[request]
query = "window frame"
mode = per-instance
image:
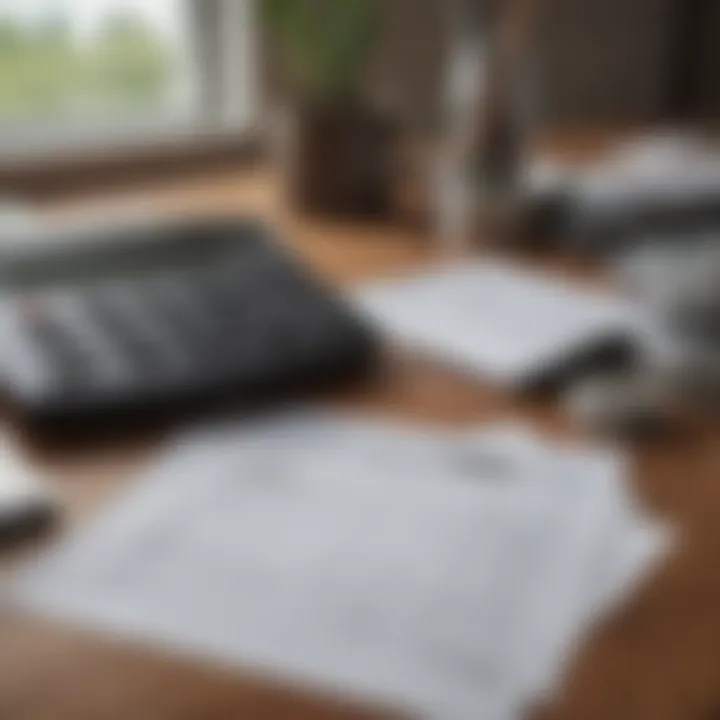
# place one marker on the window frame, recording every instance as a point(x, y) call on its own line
point(222, 36)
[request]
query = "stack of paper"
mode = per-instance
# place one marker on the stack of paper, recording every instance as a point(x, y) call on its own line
point(510, 326)
point(444, 576)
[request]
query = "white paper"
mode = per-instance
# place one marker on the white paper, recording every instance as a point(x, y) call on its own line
point(495, 320)
point(443, 576)
point(22, 489)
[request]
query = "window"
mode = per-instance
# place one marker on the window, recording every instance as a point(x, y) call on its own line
point(74, 70)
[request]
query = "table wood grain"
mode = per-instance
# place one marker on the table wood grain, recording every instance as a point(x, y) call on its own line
point(658, 658)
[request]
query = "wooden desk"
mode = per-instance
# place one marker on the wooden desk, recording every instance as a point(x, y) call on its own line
point(659, 659)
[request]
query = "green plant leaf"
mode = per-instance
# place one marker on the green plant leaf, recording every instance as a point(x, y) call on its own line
point(326, 43)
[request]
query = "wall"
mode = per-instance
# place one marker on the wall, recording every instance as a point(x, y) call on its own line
point(707, 83)
point(594, 61)
point(605, 60)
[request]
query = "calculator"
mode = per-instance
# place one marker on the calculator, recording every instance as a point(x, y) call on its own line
point(113, 325)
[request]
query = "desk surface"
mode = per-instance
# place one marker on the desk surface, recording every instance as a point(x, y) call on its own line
point(659, 659)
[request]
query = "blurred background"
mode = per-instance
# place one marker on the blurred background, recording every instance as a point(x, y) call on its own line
point(80, 80)
point(77, 72)
point(109, 65)
point(565, 150)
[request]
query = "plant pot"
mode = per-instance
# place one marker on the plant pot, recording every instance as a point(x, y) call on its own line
point(343, 161)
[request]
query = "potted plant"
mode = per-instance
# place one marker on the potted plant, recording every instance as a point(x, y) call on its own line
point(342, 149)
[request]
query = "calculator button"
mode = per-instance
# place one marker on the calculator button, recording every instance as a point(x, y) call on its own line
point(143, 339)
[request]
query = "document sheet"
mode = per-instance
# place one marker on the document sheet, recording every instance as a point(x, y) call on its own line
point(445, 576)
point(492, 319)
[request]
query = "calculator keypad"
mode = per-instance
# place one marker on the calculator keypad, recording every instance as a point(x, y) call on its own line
point(250, 319)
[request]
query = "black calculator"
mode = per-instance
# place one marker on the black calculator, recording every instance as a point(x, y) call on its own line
point(116, 325)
